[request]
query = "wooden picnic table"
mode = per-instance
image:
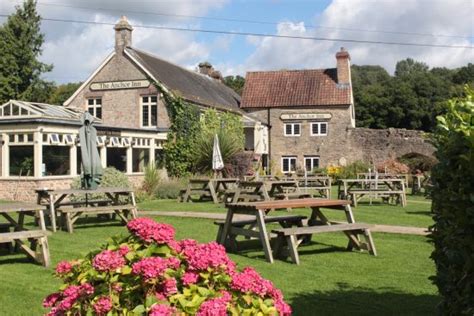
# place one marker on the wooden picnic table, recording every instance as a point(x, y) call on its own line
point(247, 191)
point(120, 201)
point(207, 188)
point(317, 223)
point(21, 233)
point(388, 189)
point(420, 181)
point(319, 184)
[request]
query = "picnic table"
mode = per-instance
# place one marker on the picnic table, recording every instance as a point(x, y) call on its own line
point(419, 181)
point(72, 203)
point(248, 191)
point(321, 185)
point(38, 248)
point(288, 236)
point(389, 189)
point(207, 188)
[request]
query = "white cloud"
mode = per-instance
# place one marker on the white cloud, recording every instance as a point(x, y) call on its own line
point(452, 17)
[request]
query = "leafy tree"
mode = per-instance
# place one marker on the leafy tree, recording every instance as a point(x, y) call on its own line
point(20, 47)
point(236, 83)
point(63, 92)
point(464, 75)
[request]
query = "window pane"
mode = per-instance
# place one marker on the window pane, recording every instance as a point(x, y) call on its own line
point(24, 111)
point(296, 129)
point(141, 158)
point(314, 128)
point(91, 111)
point(285, 166)
point(90, 101)
point(6, 110)
point(292, 164)
point(98, 101)
point(30, 137)
point(117, 158)
point(98, 112)
point(145, 99)
point(153, 99)
point(21, 161)
point(307, 162)
point(288, 129)
point(159, 158)
point(145, 115)
point(324, 128)
point(154, 117)
point(56, 160)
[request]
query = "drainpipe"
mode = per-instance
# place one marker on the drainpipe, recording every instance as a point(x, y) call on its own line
point(269, 141)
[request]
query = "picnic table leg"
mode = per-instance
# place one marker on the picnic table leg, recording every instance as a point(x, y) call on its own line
point(264, 236)
point(227, 227)
point(45, 258)
point(187, 193)
point(42, 224)
point(52, 212)
point(213, 192)
point(349, 214)
point(134, 203)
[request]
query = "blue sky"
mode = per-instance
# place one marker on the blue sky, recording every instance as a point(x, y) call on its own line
point(77, 49)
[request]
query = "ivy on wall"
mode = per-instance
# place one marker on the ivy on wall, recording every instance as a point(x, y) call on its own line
point(188, 126)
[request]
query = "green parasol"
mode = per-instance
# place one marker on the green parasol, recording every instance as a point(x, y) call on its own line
point(91, 164)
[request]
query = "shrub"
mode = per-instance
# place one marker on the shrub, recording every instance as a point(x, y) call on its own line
point(151, 179)
point(148, 272)
point(392, 166)
point(351, 170)
point(240, 165)
point(417, 162)
point(452, 194)
point(170, 189)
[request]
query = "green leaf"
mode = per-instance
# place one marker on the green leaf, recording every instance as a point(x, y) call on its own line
point(139, 309)
point(126, 270)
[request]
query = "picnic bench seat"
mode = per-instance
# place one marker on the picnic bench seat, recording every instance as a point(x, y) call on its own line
point(35, 237)
point(292, 195)
point(292, 237)
point(237, 225)
point(71, 214)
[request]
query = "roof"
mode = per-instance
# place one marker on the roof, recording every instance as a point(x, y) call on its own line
point(190, 85)
point(288, 88)
point(15, 109)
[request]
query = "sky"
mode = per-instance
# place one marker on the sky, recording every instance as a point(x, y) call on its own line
point(77, 49)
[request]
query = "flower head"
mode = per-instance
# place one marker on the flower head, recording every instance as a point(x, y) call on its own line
point(103, 305)
point(152, 267)
point(249, 281)
point(148, 230)
point(63, 267)
point(108, 260)
point(162, 310)
point(215, 306)
point(204, 256)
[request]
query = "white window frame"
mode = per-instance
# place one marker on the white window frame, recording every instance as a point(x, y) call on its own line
point(312, 158)
point(148, 104)
point(319, 128)
point(290, 158)
point(94, 107)
point(292, 129)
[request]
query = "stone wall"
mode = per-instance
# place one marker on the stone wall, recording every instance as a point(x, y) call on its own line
point(380, 144)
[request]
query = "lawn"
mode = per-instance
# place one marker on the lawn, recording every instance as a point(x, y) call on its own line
point(329, 281)
point(417, 213)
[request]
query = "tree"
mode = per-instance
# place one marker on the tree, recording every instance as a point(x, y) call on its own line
point(63, 92)
point(236, 83)
point(20, 47)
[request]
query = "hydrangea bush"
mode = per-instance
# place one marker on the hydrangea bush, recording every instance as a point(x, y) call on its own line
point(148, 272)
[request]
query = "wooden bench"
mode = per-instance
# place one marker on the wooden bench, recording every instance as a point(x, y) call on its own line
point(238, 225)
point(35, 237)
point(398, 197)
point(70, 215)
point(292, 195)
point(292, 237)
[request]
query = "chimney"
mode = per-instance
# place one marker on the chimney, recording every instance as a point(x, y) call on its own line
point(205, 68)
point(343, 67)
point(123, 34)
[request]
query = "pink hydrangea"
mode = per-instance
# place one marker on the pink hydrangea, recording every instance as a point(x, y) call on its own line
point(116, 287)
point(103, 305)
point(51, 299)
point(190, 278)
point(108, 260)
point(282, 308)
point(249, 281)
point(63, 267)
point(152, 267)
point(215, 306)
point(204, 256)
point(162, 310)
point(170, 287)
point(149, 230)
point(123, 250)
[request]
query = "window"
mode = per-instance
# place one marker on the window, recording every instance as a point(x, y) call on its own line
point(292, 129)
point(141, 158)
point(117, 158)
point(149, 111)
point(288, 164)
point(311, 163)
point(94, 106)
point(319, 129)
point(56, 160)
point(21, 161)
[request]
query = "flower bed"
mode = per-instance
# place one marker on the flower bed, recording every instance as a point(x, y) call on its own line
point(150, 273)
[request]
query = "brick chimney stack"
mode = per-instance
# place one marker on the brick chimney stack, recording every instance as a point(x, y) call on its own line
point(123, 34)
point(343, 67)
point(205, 68)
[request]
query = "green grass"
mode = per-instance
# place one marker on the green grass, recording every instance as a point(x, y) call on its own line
point(416, 213)
point(329, 281)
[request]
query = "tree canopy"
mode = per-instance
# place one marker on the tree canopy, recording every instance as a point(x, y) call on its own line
point(21, 44)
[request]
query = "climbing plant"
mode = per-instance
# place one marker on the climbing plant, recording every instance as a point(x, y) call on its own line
point(453, 210)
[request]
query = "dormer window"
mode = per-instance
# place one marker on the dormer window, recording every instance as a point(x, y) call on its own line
point(94, 106)
point(149, 111)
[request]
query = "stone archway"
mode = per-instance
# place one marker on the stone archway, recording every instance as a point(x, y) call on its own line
point(417, 161)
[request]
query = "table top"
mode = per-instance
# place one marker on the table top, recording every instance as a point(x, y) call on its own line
point(291, 203)
point(373, 180)
point(20, 207)
point(83, 191)
point(281, 182)
point(226, 180)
